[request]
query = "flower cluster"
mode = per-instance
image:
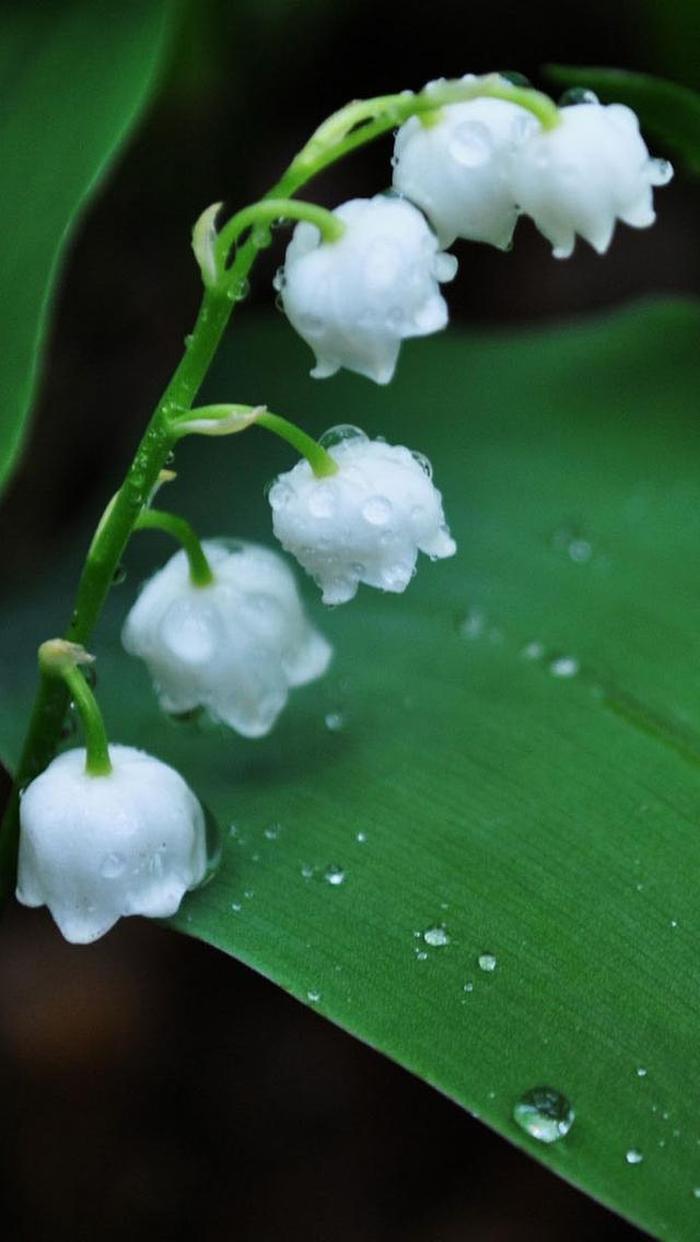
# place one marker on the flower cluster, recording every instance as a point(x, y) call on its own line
point(472, 168)
point(111, 831)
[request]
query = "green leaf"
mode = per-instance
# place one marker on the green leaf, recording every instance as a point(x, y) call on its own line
point(669, 112)
point(74, 78)
point(509, 752)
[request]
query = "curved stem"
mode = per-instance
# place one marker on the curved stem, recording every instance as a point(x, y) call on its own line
point(320, 461)
point(97, 760)
point(268, 210)
point(157, 519)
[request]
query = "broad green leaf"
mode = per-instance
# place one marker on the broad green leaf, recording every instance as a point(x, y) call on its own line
point(666, 110)
point(509, 753)
point(74, 78)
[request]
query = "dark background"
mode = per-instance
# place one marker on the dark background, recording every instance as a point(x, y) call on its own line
point(151, 1087)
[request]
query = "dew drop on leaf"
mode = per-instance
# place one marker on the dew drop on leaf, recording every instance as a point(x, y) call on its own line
point(334, 875)
point(544, 1113)
point(633, 1156)
point(436, 937)
point(487, 962)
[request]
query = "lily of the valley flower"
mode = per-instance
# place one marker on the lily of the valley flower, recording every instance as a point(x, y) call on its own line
point(457, 168)
point(585, 174)
point(235, 646)
point(365, 523)
point(355, 299)
point(94, 848)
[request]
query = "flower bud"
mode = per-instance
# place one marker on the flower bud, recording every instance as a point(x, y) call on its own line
point(457, 169)
point(235, 646)
point(355, 299)
point(365, 523)
point(589, 171)
point(94, 848)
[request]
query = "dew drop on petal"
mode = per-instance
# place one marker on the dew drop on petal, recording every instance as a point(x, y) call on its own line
point(470, 144)
point(377, 510)
point(544, 1113)
point(112, 865)
point(340, 435)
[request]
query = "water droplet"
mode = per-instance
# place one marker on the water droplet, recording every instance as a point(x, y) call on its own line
point(188, 340)
point(236, 907)
point(279, 280)
point(577, 95)
point(633, 1156)
point(487, 962)
point(272, 831)
point(674, 922)
point(307, 871)
point(544, 1113)
point(279, 495)
point(472, 624)
point(112, 865)
point(313, 996)
point(334, 721)
point(334, 875)
point(377, 510)
point(515, 78)
point(361, 837)
point(532, 651)
point(470, 144)
point(321, 501)
point(248, 893)
point(469, 986)
point(661, 172)
point(421, 955)
point(69, 728)
point(119, 575)
point(424, 463)
point(696, 1192)
point(564, 666)
point(641, 1071)
point(233, 830)
point(214, 842)
point(580, 551)
point(436, 937)
point(340, 435)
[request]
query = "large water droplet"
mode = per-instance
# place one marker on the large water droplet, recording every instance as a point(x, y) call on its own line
point(214, 844)
point(487, 962)
point(112, 866)
point(470, 144)
point(321, 501)
point(660, 171)
point(633, 1156)
point(577, 95)
point(515, 78)
point(544, 1113)
point(436, 937)
point(341, 435)
point(377, 510)
point(564, 666)
point(334, 875)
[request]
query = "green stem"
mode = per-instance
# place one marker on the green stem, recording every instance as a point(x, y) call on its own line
point(268, 210)
point(320, 461)
point(157, 519)
point(97, 760)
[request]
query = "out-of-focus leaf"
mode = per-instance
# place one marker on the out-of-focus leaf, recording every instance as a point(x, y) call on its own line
point(666, 110)
point(74, 78)
point(508, 754)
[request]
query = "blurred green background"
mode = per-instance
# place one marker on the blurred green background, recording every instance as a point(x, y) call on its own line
point(150, 1085)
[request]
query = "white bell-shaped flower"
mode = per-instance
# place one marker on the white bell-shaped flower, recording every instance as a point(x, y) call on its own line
point(589, 171)
point(94, 848)
point(234, 647)
point(355, 299)
point(365, 523)
point(457, 168)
